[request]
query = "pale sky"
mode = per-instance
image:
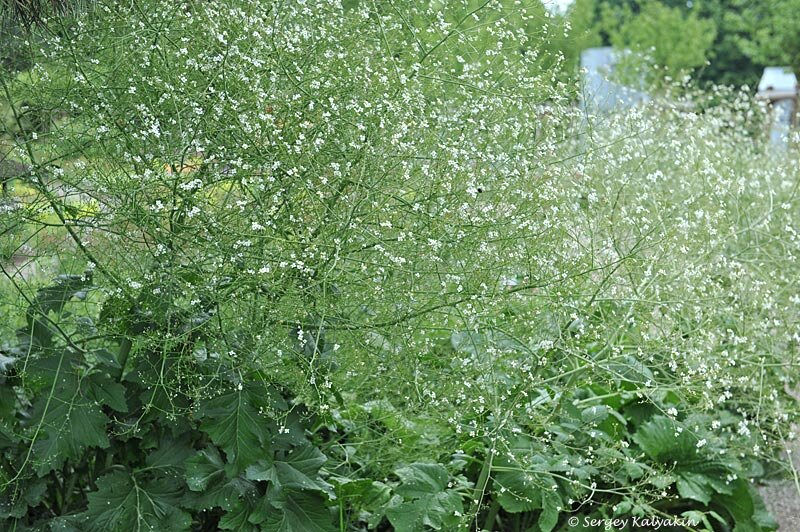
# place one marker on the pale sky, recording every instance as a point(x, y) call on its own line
point(558, 6)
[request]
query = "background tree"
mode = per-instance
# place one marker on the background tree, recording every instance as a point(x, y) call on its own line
point(723, 41)
point(672, 40)
point(728, 63)
point(767, 32)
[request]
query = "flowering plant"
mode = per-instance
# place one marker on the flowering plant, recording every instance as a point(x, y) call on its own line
point(364, 265)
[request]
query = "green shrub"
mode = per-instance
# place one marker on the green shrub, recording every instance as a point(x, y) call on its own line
point(365, 267)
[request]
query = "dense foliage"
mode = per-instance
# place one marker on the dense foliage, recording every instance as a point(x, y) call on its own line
point(305, 266)
point(717, 41)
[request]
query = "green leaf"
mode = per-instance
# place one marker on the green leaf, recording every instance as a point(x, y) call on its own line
point(623, 507)
point(106, 358)
point(106, 391)
point(43, 371)
point(694, 486)
point(518, 491)
point(761, 515)
point(594, 414)
point(661, 440)
point(662, 481)
point(300, 468)
point(71, 424)
point(217, 485)
point(428, 502)
point(629, 369)
point(23, 494)
point(64, 288)
point(8, 402)
point(64, 524)
point(746, 508)
point(369, 493)
point(238, 518)
point(419, 480)
point(366, 495)
point(52, 298)
point(551, 507)
point(633, 470)
point(123, 502)
point(233, 423)
point(297, 469)
point(439, 511)
point(300, 512)
point(8, 438)
point(170, 453)
point(203, 469)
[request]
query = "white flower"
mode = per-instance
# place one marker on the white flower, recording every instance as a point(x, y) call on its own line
point(191, 185)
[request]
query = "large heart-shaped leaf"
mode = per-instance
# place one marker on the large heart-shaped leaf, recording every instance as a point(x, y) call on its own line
point(296, 469)
point(518, 490)
point(124, 502)
point(39, 330)
point(663, 440)
point(423, 500)
point(233, 422)
point(440, 511)
point(299, 512)
point(419, 480)
point(216, 485)
point(67, 425)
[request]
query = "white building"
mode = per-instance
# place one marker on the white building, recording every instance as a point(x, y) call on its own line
point(600, 90)
point(778, 86)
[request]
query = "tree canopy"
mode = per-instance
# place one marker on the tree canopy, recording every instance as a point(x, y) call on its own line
point(718, 41)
